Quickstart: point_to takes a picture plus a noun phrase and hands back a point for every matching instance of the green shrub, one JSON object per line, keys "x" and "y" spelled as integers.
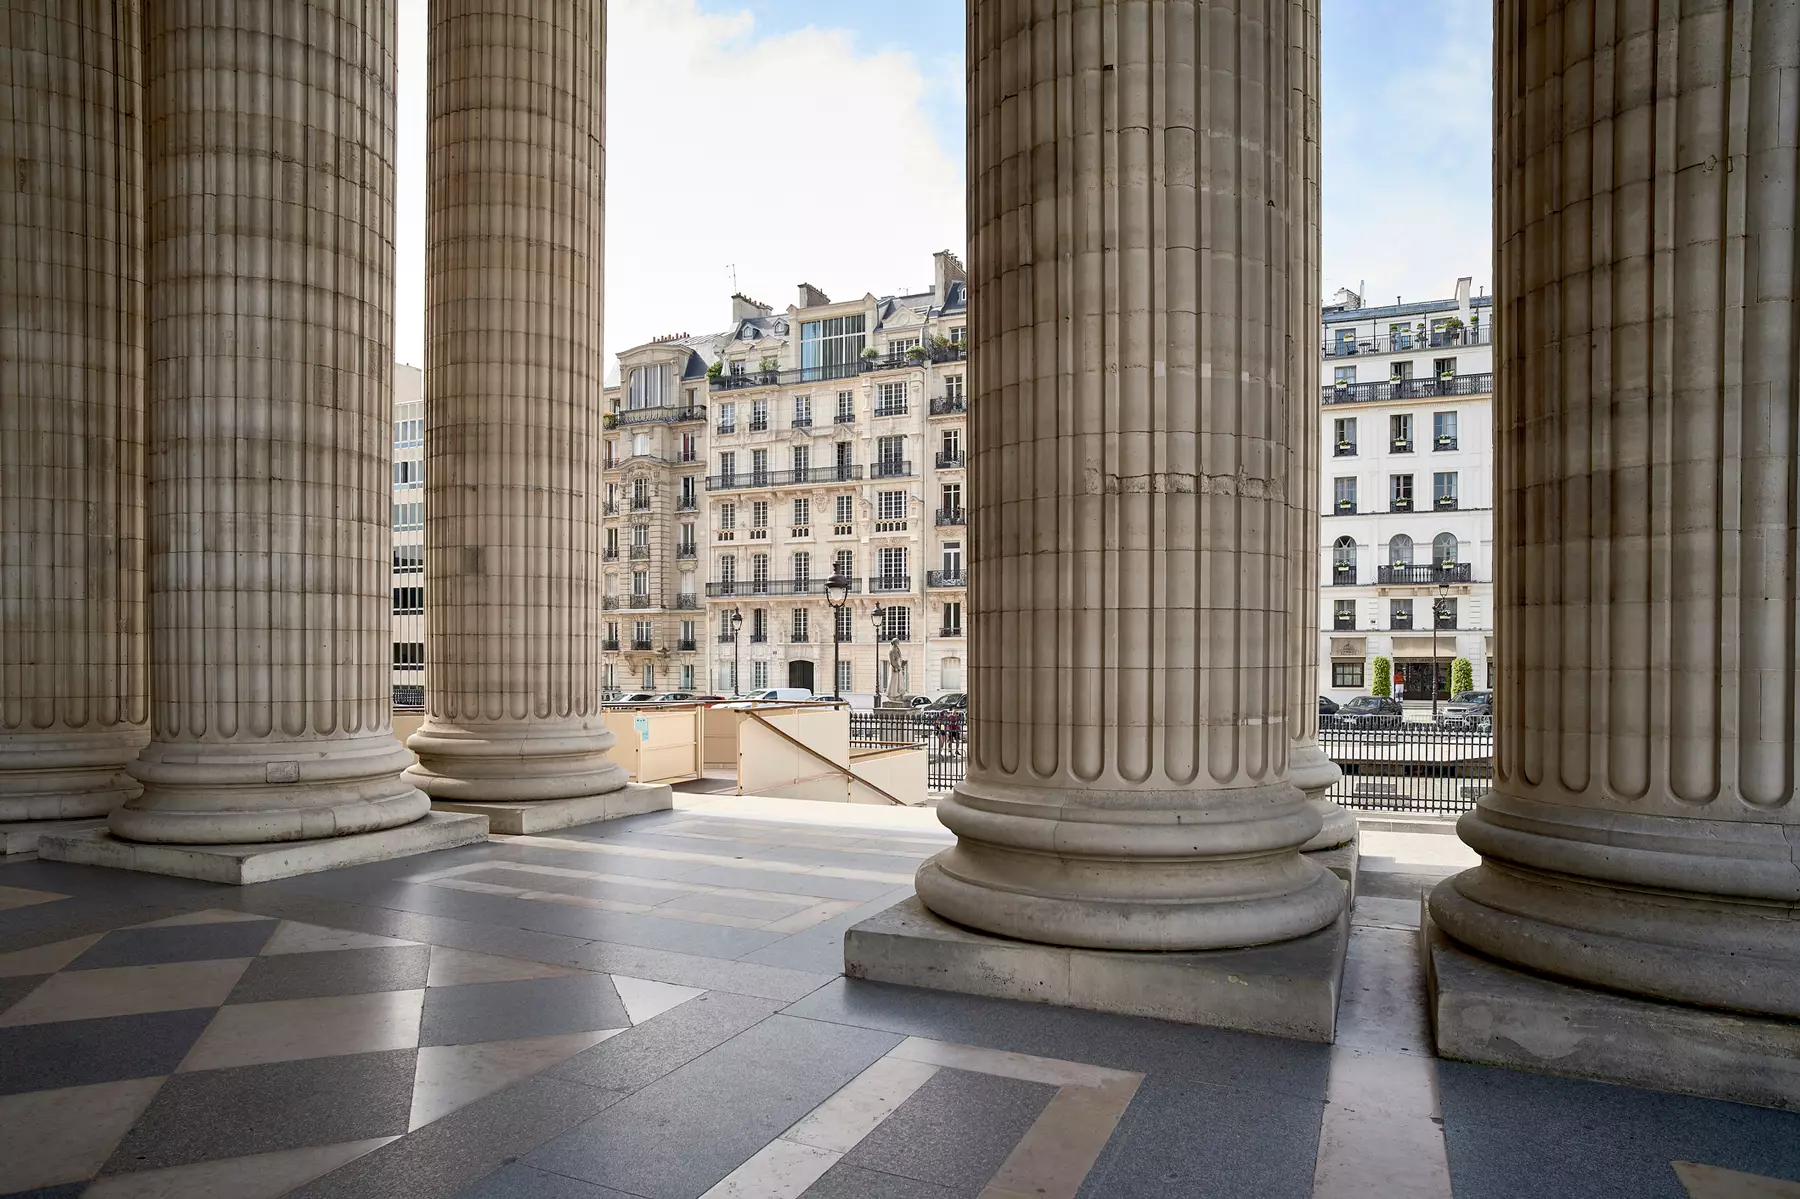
{"x": 1462, "y": 676}
{"x": 1384, "y": 678}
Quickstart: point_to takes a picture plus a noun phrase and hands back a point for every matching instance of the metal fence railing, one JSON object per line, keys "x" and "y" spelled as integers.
{"x": 944, "y": 735}
{"x": 1410, "y": 767}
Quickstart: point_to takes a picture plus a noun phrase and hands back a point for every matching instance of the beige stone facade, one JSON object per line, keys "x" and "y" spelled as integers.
{"x": 754, "y": 463}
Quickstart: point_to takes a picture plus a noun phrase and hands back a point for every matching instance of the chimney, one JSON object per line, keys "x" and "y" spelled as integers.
{"x": 946, "y": 268}
{"x": 744, "y": 308}
{"x": 1463, "y": 286}
{"x": 812, "y": 297}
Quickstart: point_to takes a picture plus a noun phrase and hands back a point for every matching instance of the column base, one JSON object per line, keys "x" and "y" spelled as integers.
{"x": 22, "y": 836}
{"x": 1343, "y": 861}
{"x": 261, "y": 863}
{"x": 546, "y": 815}
{"x": 1493, "y": 1015}
{"x": 514, "y": 761}
{"x": 1337, "y": 826}
{"x": 67, "y": 776}
{"x": 1287, "y": 990}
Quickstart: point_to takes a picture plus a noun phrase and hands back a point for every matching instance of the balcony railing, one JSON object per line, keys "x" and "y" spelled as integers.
{"x": 687, "y": 551}
{"x": 729, "y": 381}
{"x": 951, "y": 516}
{"x": 1407, "y": 389}
{"x": 611, "y": 554}
{"x": 1426, "y": 575}
{"x": 847, "y": 473}
{"x": 609, "y": 603}
{"x": 687, "y": 456}
{"x": 951, "y": 631}
{"x": 1400, "y": 504}
{"x": 891, "y": 470}
{"x": 774, "y": 587}
{"x": 802, "y": 422}
{"x": 1445, "y": 503}
{"x": 640, "y": 551}
{"x": 1343, "y": 574}
{"x": 610, "y": 645}
{"x": 640, "y": 503}
{"x": 641, "y": 645}
{"x": 687, "y": 602}
{"x": 638, "y": 600}
{"x": 1407, "y": 343}
{"x": 1343, "y": 622}
{"x": 688, "y": 503}
{"x": 726, "y": 637}
{"x": 1445, "y": 441}
{"x": 900, "y": 409}
{"x": 1400, "y": 622}
{"x": 949, "y": 460}
{"x": 946, "y": 578}
{"x": 949, "y": 405}
{"x": 1344, "y": 508}
{"x": 611, "y": 508}
{"x": 725, "y": 429}
{"x": 1401, "y": 445}
{"x": 665, "y": 414}
{"x": 687, "y": 645}
{"x": 759, "y": 426}
{"x": 891, "y": 583}
{"x": 1344, "y": 449}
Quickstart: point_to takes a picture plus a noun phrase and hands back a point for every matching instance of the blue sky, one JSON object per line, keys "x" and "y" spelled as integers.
{"x": 720, "y": 158}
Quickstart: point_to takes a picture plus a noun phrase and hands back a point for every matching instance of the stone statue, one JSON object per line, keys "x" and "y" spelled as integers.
{"x": 896, "y": 682}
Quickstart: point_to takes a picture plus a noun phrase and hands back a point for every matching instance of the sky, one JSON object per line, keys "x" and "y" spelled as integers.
{"x": 722, "y": 165}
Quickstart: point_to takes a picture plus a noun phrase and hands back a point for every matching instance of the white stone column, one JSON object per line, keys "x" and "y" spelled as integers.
{"x": 1134, "y": 226}
{"x": 73, "y": 685}
{"x": 1308, "y": 767}
{"x": 269, "y": 135}
{"x": 1642, "y": 830}
{"x": 513, "y": 381}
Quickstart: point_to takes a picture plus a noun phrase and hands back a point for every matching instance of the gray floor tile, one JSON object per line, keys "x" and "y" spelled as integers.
{"x": 73, "y": 1053}
{"x": 536, "y": 1007}
{"x": 752, "y": 878}
{"x": 215, "y": 1114}
{"x": 954, "y": 1131}
{"x": 182, "y": 943}
{"x": 575, "y": 859}
{"x": 333, "y": 972}
{"x": 519, "y": 1181}
{"x": 69, "y": 1190}
{"x": 680, "y": 1135}
{"x": 1378, "y": 885}
{"x": 844, "y": 1181}
{"x": 447, "y": 1155}
{"x": 821, "y": 947}
{"x": 639, "y": 1056}
{"x": 1509, "y": 1133}
{"x": 563, "y": 884}
{"x": 14, "y": 989}
{"x": 691, "y": 970}
{"x": 765, "y": 910}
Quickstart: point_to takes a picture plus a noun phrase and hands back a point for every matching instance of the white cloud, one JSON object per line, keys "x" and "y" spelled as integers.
{"x": 793, "y": 156}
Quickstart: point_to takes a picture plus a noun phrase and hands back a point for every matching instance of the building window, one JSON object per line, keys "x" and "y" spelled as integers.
{"x": 727, "y": 517}
{"x": 640, "y": 537}
{"x": 728, "y": 418}
{"x": 802, "y": 411}
{"x": 800, "y": 458}
{"x": 1400, "y": 433}
{"x": 900, "y": 345}
{"x": 643, "y": 632}
{"x": 1446, "y": 612}
{"x": 846, "y": 515}
{"x": 1401, "y": 371}
{"x": 1444, "y": 549}
{"x": 690, "y": 491}
{"x": 759, "y": 572}
{"x": 759, "y": 625}
{"x": 727, "y": 465}
{"x": 845, "y": 564}
{"x": 409, "y": 655}
{"x": 1400, "y": 550}
{"x": 759, "y": 415}
{"x": 640, "y": 584}
{"x": 640, "y": 494}
{"x": 1400, "y": 614}
{"x": 409, "y": 599}
{"x": 843, "y": 677}
{"x": 830, "y": 349}
{"x": 1343, "y": 488}
{"x": 609, "y": 678}
{"x": 759, "y": 514}
{"x": 890, "y": 399}
{"x": 685, "y": 544}
{"x": 802, "y": 630}
{"x": 890, "y": 505}
{"x": 1347, "y": 674}
{"x": 802, "y": 570}
{"x": 896, "y": 623}
{"x": 1400, "y": 493}
{"x": 1343, "y": 614}
{"x": 843, "y": 623}
{"x": 953, "y": 620}
{"x": 953, "y": 387}
{"x": 1344, "y": 435}
{"x": 1444, "y": 369}
{"x": 1443, "y": 430}
{"x": 759, "y": 675}
{"x": 802, "y": 516}
{"x": 728, "y": 571}
{"x": 892, "y": 575}
{"x": 687, "y": 678}
{"x": 952, "y": 497}
{"x": 953, "y": 558}
{"x": 725, "y": 625}
{"x": 846, "y": 407}
{"x": 950, "y": 448}
{"x": 1343, "y": 561}
{"x": 1443, "y": 489}
{"x": 890, "y": 457}
{"x": 649, "y": 676}
{"x": 409, "y": 472}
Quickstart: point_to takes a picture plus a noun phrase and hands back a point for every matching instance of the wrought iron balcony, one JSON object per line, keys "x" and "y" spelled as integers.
{"x": 952, "y": 516}
{"x": 1445, "y": 503}
{"x": 836, "y": 473}
{"x": 638, "y": 600}
{"x": 955, "y": 631}
{"x": 1410, "y": 342}
{"x": 610, "y": 554}
{"x": 1344, "y": 508}
{"x": 773, "y": 587}
{"x": 949, "y": 405}
{"x": 640, "y": 551}
{"x": 802, "y": 422}
{"x": 687, "y": 503}
{"x": 1343, "y": 574}
{"x": 662, "y": 414}
{"x": 950, "y": 460}
{"x": 946, "y": 578}
{"x": 610, "y": 645}
{"x": 1400, "y": 504}
{"x": 640, "y": 503}
{"x": 759, "y": 638}
{"x": 1343, "y": 622}
{"x": 687, "y": 645}
{"x": 1401, "y": 445}
{"x": 891, "y": 469}
{"x": 610, "y": 508}
{"x": 1345, "y": 392}
{"x": 688, "y": 551}
{"x": 1427, "y": 575}
{"x": 891, "y": 583}
{"x": 687, "y": 602}
{"x": 641, "y": 645}
{"x": 885, "y": 410}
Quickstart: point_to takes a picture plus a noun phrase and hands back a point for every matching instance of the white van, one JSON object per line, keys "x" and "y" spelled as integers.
{"x": 780, "y": 694}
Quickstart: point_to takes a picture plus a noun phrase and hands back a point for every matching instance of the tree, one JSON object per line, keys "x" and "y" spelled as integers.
{"x": 1384, "y": 678}
{"x": 1462, "y": 676}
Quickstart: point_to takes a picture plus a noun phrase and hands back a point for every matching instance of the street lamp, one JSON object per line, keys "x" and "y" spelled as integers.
{"x": 837, "y": 591}
{"x": 737, "y": 649}
{"x": 1437, "y": 616}
{"x": 878, "y": 617}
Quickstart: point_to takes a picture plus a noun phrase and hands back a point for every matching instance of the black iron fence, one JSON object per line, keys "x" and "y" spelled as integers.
{"x": 944, "y": 734}
{"x": 1410, "y": 767}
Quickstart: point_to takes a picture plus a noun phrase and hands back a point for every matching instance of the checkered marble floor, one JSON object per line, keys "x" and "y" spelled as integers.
{"x": 225, "y": 1053}
{"x": 653, "y": 1008}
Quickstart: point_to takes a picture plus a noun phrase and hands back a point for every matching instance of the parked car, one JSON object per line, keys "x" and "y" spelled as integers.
{"x": 1327, "y": 706}
{"x": 786, "y": 694}
{"x": 1471, "y": 711}
{"x": 918, "y": 701}
{"x": 636, "y": 697}
{"x": 677, "y": 697}
{"x": 1370, "y": 712}
{"x": 951, "y": 699}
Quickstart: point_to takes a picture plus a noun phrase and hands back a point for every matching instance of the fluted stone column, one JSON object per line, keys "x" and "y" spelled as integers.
{"x": 1308, "y": 767}
{"x": 1643, "y": 826}
{"x": 1134, "y": 224}
{"x": 73, "y": 687}
{"x": 514, "y": 371}
{"x": 270, "y": 210}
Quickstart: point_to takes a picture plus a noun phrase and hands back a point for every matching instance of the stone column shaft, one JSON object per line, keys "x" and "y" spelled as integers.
{"x": 270, "y": 213}
{"x": 73, "y": 684}
{"x": 1643, "y": 827}
{"x": 513, "y": 381}
{"x": 1308, "y": 767}
{"x": 1133, "y": 221}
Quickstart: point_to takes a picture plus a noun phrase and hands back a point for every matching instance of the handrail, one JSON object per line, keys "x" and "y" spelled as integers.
{"x": 811, "y": 752}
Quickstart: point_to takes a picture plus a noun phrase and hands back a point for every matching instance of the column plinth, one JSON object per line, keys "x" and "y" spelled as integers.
{"x": 270, "y": 338}
{"x": 514, "y": 407}
{"x": 73, "y": 681}
{"x": 1642, "y": 828}
{"x": 1138, "y": 233}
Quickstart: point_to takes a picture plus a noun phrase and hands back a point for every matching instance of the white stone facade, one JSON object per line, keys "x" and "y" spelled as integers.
{"x": 1406, "y": 492}
{"x": 752, "y": 464}
{"x": 408, "y": 676}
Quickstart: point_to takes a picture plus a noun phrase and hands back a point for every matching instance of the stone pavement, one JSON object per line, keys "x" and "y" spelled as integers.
{"x": 653, "y": 1008}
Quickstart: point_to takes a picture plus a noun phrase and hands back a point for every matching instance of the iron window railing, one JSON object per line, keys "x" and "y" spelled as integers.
{"x": 641, "y": 645}
{"x": 949, "y": 460}
{"x": 1407, "y": 389}
{"x": 664, "y": 414}
{"x": 949, "y": 405}
{"x": 835, "y": 473}
{"x": 951, "y": 516}
{"x": 890, "y": 469}
{"x": 1407, "y": 343}
{"x": 690, "y": 550}
{"x": 774, "y": 587}
{"x": 946, "y": 578}
{"x": 727, "y": 381}
{"x": 610, "y": 645}
{"x": 891, "y": 583}
{"x": 1426, "y": 575}
{"x": 687, "y": 645}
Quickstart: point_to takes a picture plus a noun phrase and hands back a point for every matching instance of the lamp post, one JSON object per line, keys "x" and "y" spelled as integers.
{"x": 837, "y": 591}
{"x": 737, "y": 649}
{"x": 1437, "y": 616}
{"x": 878, "y": 617}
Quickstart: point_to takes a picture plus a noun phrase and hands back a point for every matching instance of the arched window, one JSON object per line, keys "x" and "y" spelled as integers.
{"x": 1343, "y": 556}
{"x": 1443, "y": 549}
{"x": 1400, "y": 550}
